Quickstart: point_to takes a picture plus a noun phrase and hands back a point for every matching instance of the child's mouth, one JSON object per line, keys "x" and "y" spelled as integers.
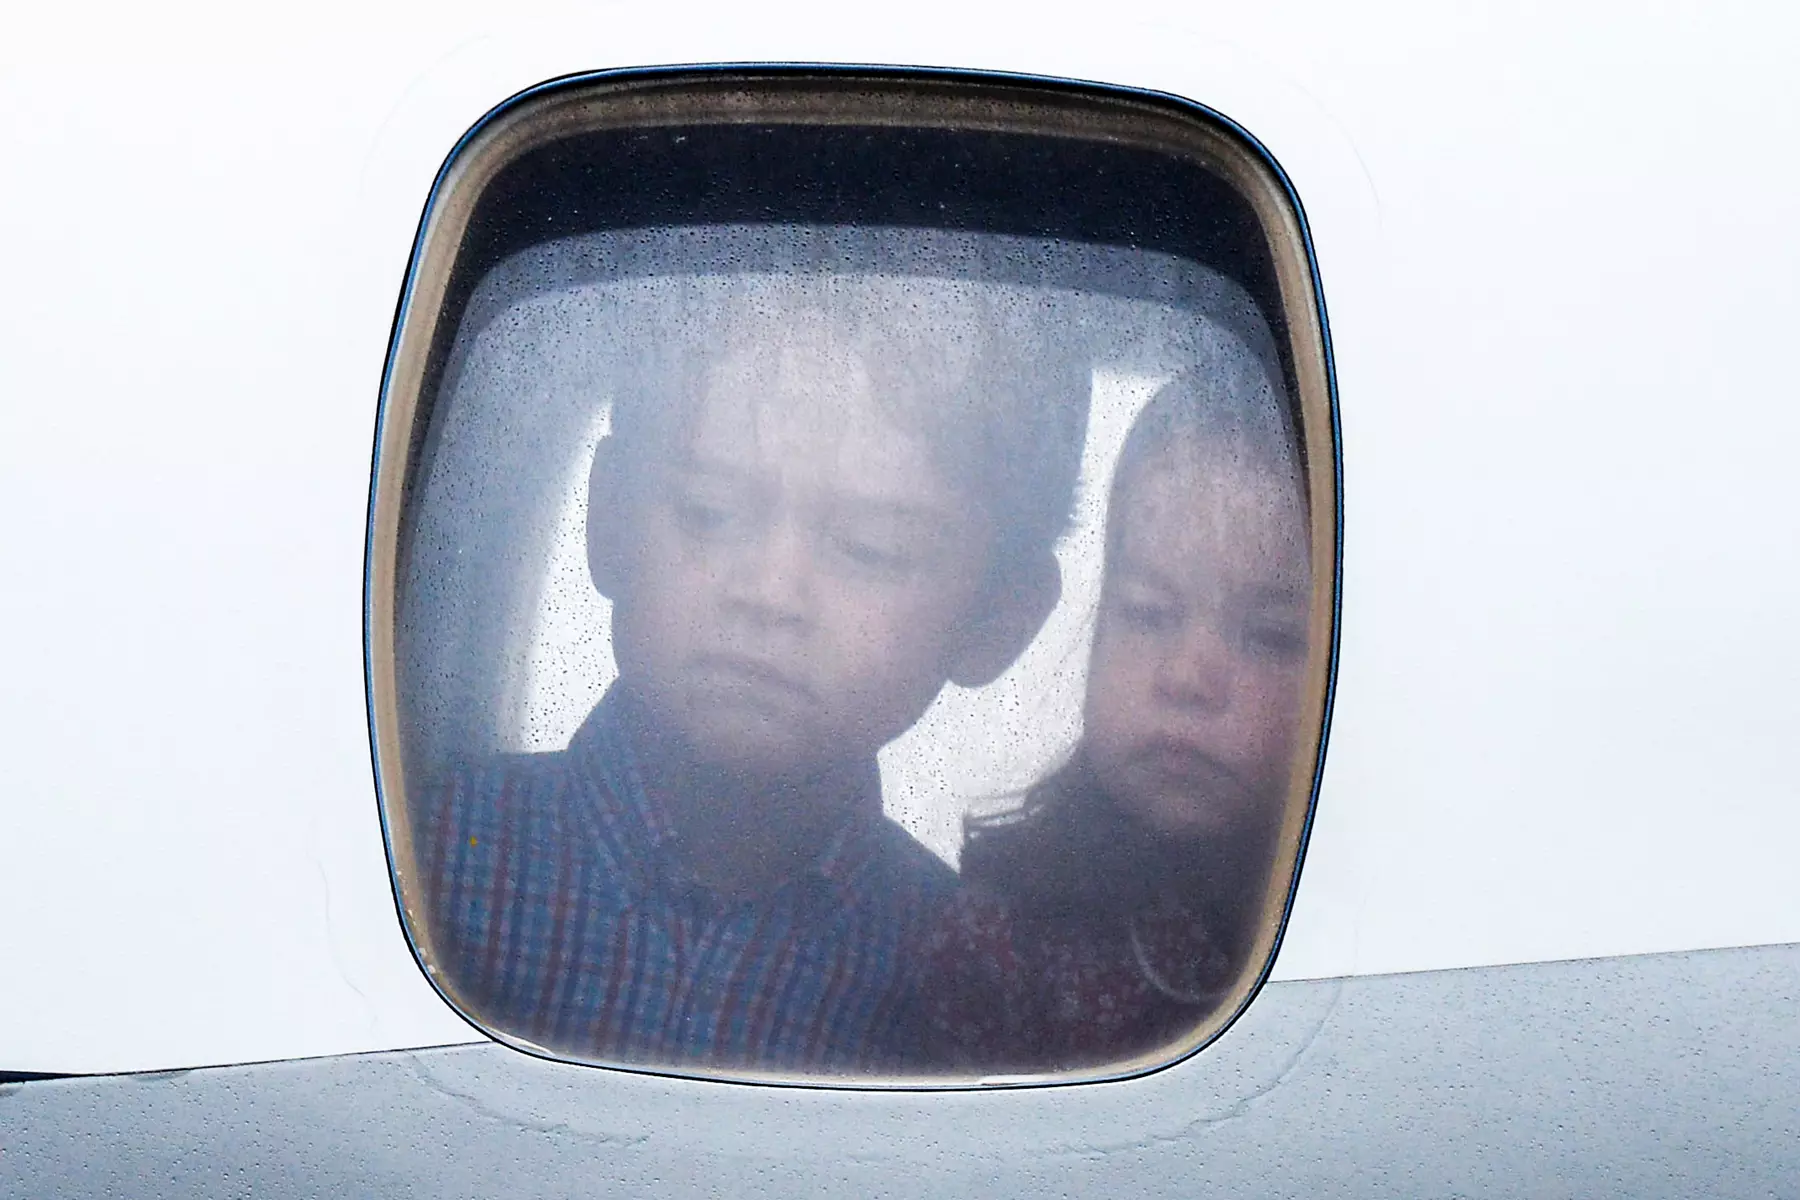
{"x": 751, "y": 681}
{"x": 1180, "y": 764}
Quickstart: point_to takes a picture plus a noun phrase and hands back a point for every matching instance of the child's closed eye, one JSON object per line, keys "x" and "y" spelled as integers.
{"x": 873, "y": 552}
{"x": 1148, "y": 616}
{"x": 707, "y": 515}
{"x": 1282, "y": 639}
{"x": 701, "y": 518}
{"x": 879, "y": 541}
{"x": 1142, "y": 602}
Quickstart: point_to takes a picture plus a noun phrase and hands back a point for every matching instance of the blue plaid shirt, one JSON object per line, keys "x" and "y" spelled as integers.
{"x": 559, "y": 914}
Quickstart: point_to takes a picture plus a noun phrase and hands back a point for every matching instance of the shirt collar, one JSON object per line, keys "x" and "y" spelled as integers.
{"x": 604, "y": 749}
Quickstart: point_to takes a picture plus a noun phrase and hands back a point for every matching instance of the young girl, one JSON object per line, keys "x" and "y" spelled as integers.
{"x": 1112, "y": 911}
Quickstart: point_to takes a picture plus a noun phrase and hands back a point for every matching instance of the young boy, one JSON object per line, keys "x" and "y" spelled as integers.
{"x": 821, "y": 501}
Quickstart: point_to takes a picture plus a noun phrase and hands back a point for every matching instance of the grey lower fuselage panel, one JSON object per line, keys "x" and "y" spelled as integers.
{"x": 1660, "y": 1075}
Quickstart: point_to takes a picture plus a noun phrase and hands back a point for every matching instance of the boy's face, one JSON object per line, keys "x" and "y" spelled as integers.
{"x": 1200, "y": 649}
{"x": 792, "y": 577}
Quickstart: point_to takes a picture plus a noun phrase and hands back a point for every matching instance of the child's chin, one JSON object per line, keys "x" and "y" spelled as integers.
{"x": 1180, "y": 817}
{"x": 746, "y": 744}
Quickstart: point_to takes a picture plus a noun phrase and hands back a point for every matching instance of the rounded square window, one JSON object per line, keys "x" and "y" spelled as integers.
{"x": 851, "y": 576}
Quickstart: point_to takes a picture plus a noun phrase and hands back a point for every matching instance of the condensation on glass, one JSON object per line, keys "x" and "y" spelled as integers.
{"x": 851, "y": 577}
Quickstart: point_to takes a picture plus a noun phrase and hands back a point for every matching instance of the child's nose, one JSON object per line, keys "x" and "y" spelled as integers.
{"x": 772, "y": 578}
{"x": 1197, "y": 673}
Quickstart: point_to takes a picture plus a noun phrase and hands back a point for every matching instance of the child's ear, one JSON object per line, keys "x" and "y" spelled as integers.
{"x": 603, "y": 524}
{"x": 1018, "y": 603}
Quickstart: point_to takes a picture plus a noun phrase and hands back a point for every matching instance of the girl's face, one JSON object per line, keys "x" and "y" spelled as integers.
{"x": 1194, "y": 689}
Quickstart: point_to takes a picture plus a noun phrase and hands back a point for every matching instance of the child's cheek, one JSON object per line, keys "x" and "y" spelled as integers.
{"x": 1121, "y": 693}
{"x": 1138, "y": 660}
{"x": 1276, "y": 719}
{"x": 888, "y": 633}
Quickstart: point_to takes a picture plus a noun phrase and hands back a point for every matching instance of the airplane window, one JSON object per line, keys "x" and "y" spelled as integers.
{"x": 852, "y": 577}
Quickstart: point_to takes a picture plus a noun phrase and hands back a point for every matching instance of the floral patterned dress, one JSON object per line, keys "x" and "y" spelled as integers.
{"x": 1007, "y": 993}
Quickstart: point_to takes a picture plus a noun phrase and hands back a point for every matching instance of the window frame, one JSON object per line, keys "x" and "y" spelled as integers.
{"x": 845, "y": 96}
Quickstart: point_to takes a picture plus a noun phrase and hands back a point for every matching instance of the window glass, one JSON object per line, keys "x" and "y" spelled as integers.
{"x": 814, "y": 642}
